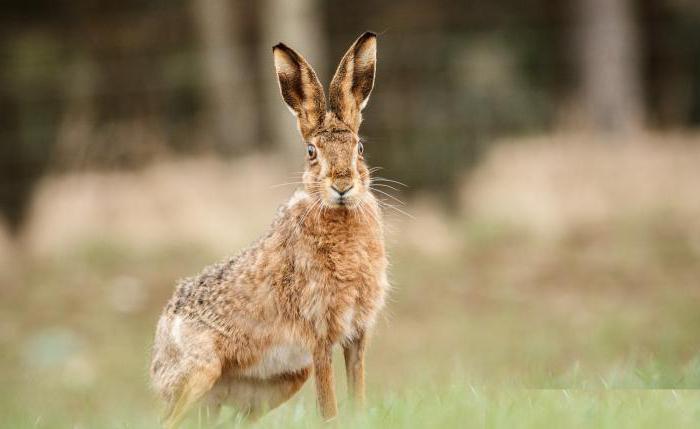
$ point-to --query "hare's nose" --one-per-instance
(340, 191)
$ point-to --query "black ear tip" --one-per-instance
(282, 47)
(288, 52)
(369, 34)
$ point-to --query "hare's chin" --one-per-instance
(345, 203)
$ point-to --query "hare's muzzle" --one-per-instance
(341, 191)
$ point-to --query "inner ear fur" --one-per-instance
(300, 88)
(353, 80)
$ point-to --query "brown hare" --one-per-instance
(248, 331)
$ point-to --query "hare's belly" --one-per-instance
(280, 359)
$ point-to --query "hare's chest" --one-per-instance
(330, 315)
(339, 309)
(344, 286)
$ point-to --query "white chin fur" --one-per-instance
(344, 203)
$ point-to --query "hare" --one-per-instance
(248, 331)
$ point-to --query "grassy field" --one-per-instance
(491, 323)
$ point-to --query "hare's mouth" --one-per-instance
(343, 202)
(341, 197)
(333, 200)
(338, 202)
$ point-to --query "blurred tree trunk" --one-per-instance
(76, 131)
(607, 47)
(229, 94)
(298, 24)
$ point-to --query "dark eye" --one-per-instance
(360, 148)
(311, 150)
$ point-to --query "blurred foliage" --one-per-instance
(91, 83)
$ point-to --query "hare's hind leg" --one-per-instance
(191, 370)
(254, 397)
(275, 392)
(195, 383)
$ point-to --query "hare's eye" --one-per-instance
(311, 151)
(360, 148)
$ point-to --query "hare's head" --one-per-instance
(336, 173)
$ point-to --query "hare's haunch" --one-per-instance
(248, 331)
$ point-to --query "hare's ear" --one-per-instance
(300, 88)
(354, 79)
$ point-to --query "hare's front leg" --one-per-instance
(354, 352)
(325, 386)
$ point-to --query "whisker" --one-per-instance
(397, 209)
(390, 196)
(286, 184)
(303, 216)
(384, 185)
(306, 212)
(368, 210)
(321, 210)
(357, 210)
(384, 179)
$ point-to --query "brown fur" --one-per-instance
(248, 331)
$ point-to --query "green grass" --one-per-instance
(463, 406)
(448, 406)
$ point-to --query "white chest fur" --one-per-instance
(280, 359)
(317, 307)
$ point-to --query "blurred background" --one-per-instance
(549, 148)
